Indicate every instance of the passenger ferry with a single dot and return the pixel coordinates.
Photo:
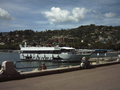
(51, 53)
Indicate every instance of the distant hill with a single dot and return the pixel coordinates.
(5, 33)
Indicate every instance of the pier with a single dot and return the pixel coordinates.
(100, 78)
(71, 78)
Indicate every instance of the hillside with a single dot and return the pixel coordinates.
(89, 36)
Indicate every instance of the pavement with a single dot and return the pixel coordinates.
(99, 78)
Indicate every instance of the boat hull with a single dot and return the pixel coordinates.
(52, 57)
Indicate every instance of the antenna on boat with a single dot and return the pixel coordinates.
(25, 44)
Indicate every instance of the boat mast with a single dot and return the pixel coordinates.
(25, 44)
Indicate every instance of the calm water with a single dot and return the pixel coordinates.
(14, 57)
(9, 57)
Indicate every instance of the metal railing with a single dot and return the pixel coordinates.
(103, 59)
(29, 64)
(36, 63)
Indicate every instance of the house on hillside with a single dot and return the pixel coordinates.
(2, 43)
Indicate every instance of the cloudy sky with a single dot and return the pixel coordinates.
(39, 15)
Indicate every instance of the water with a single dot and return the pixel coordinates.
(6, 56)
(14, 57)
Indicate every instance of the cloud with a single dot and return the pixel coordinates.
(41, 22)
(4, 15)
(62, 16)
(109, 15)
(79, 14)
(95, 14)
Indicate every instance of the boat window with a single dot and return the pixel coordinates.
(43, 52)
(56, 52)
(67, 50)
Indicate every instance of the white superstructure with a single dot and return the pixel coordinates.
(51, 53)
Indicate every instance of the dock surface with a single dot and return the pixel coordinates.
(99, 78)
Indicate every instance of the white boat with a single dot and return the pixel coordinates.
(51, 53)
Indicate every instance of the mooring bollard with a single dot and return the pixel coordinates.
(8, 68)
(118, 59)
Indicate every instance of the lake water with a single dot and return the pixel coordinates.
(14, 57)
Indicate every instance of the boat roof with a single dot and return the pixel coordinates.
(38, 48)
(44, 48)
(67, 48)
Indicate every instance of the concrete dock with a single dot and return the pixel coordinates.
(98, 78)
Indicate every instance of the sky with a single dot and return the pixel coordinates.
(40, 15)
